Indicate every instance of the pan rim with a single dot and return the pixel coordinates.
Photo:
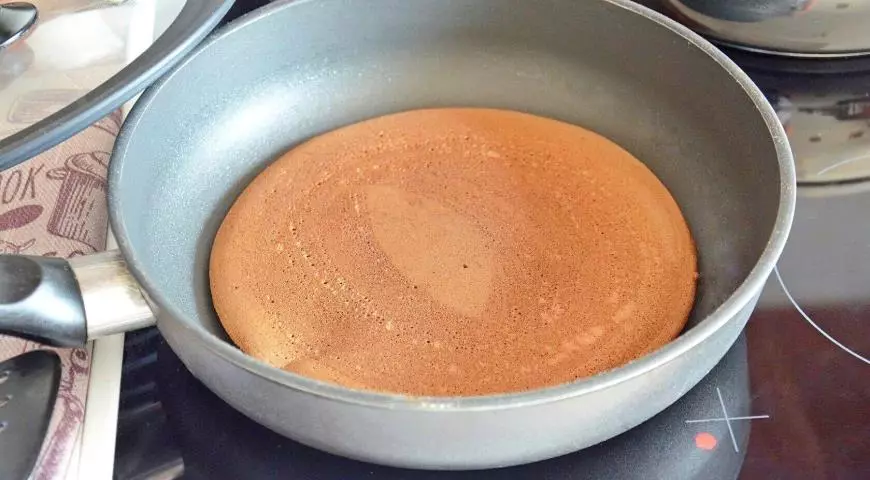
(724, 313)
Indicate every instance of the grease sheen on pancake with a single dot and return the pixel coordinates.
(453, 252)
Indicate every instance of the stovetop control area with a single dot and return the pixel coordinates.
(791, 399)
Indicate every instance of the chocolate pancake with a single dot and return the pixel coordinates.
(453, 252)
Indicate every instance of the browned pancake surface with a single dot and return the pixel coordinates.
(453, 252)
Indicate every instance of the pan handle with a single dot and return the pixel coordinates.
(113, 301)
(65, 303)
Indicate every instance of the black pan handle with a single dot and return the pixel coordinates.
(66, 303)
(40, 299)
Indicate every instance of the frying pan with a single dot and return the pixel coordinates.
(295, 69)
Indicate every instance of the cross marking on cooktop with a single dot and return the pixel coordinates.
(727, 419)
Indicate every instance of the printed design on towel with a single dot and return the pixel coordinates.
(19, 217)
(56, 205)
(69, 411)
(13, 249)
(82, 196)
(18, 190)
(37, 105)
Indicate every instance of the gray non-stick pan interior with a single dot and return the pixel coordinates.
(265, 86)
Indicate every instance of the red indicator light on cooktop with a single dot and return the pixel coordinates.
(705, 441)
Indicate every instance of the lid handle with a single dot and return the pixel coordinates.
(15, 20)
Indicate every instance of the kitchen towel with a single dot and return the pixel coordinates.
(55, 205)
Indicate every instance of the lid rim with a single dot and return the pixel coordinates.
(195, 21)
